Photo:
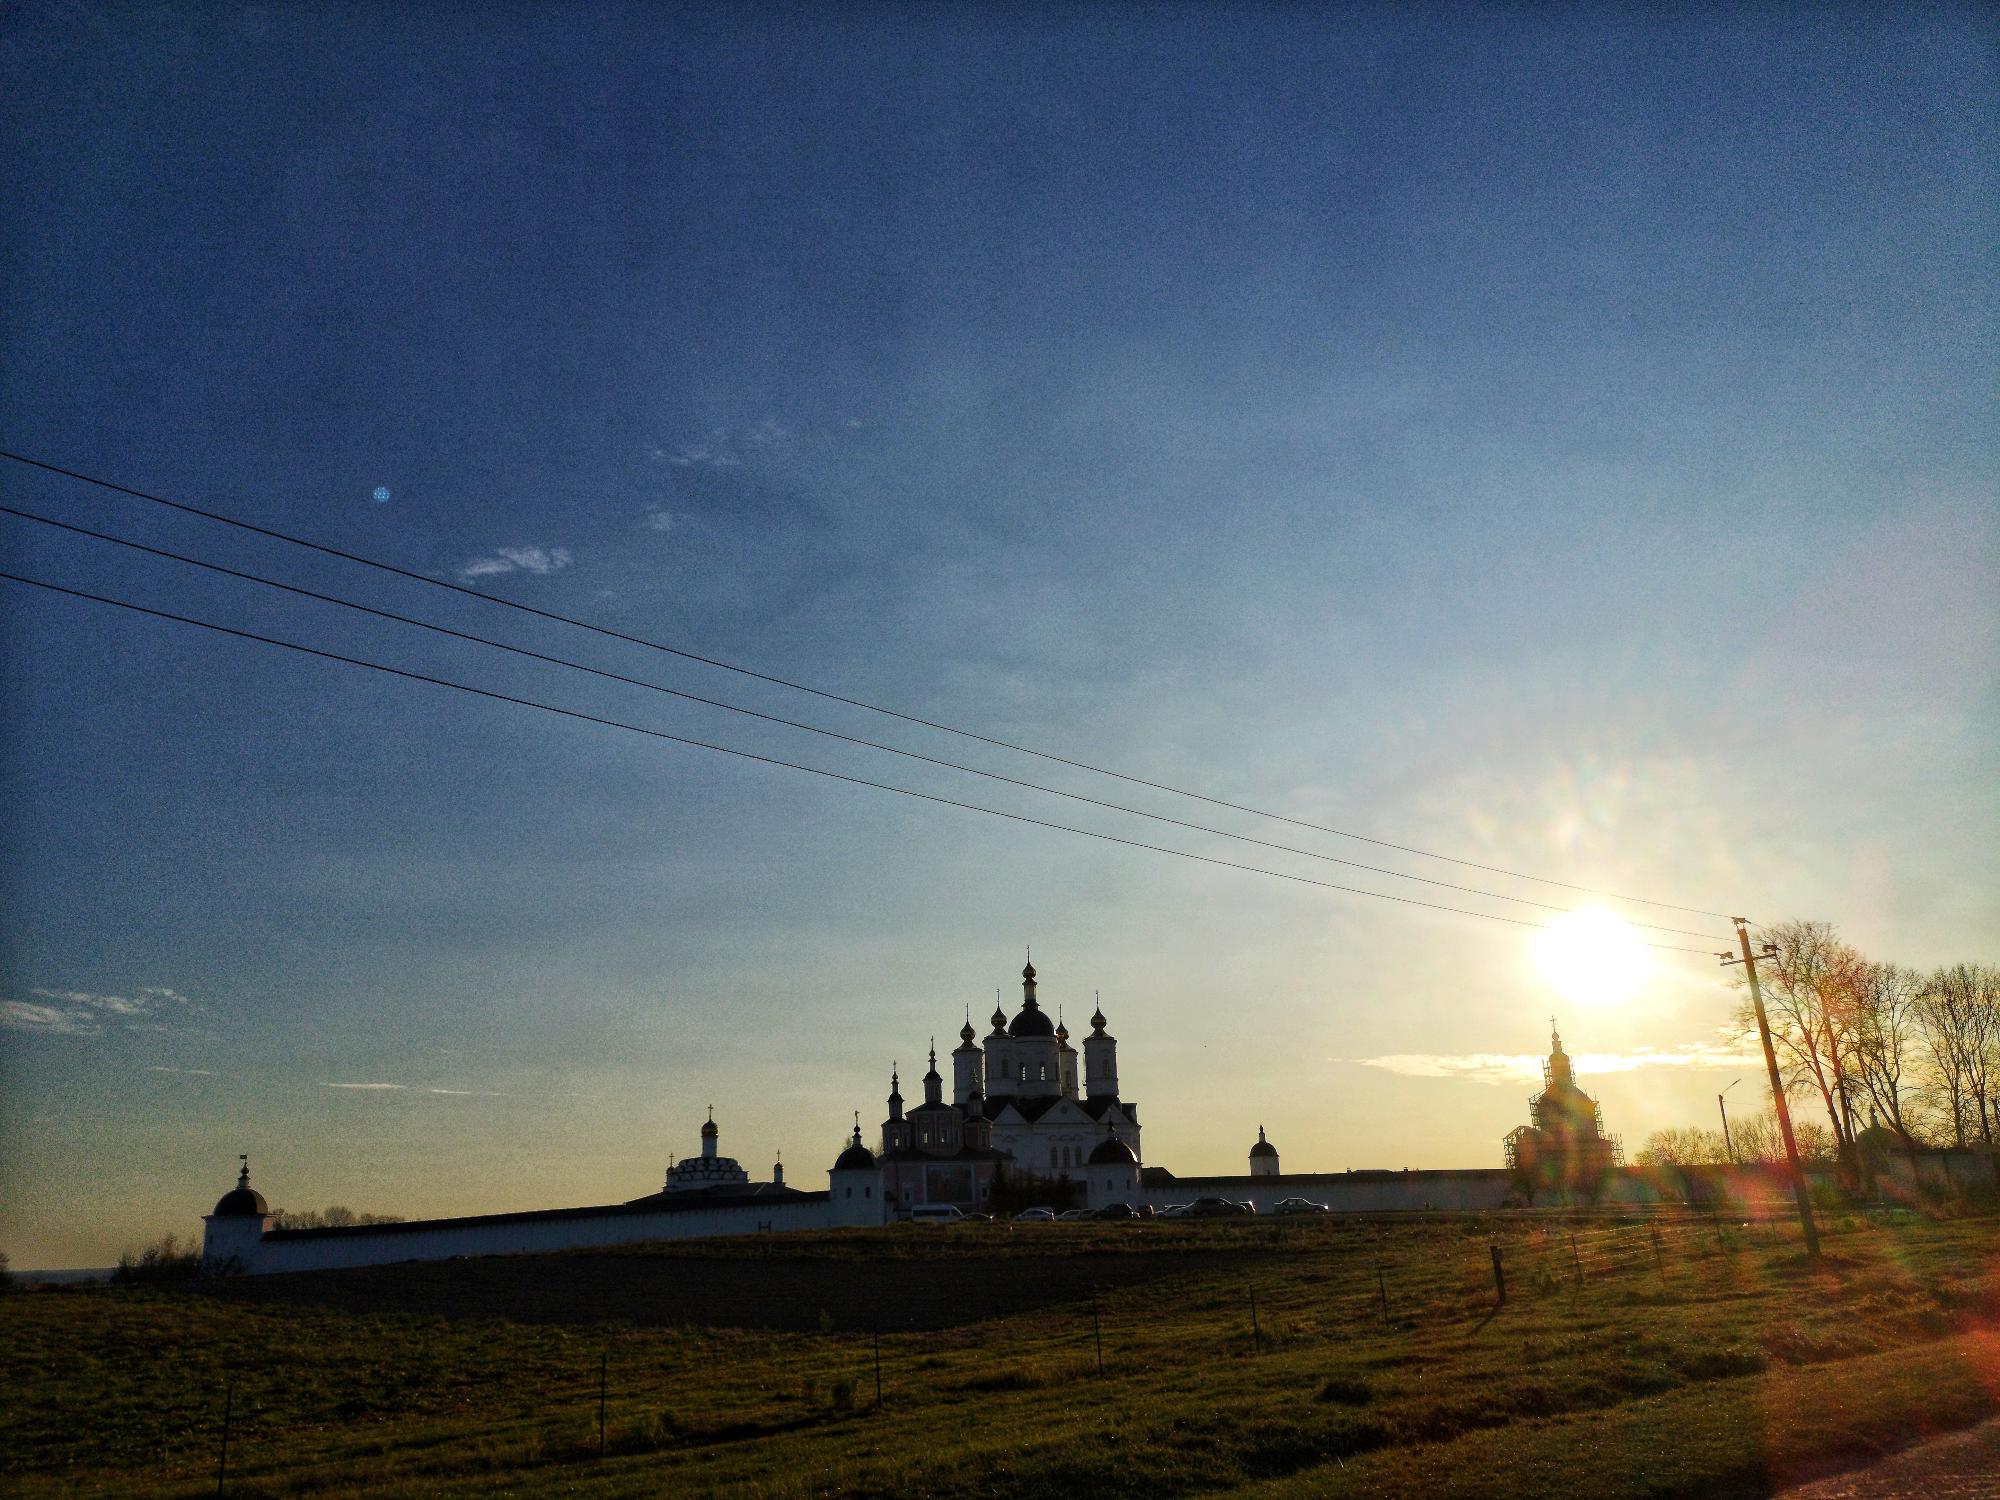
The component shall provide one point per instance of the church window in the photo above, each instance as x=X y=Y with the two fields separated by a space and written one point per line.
x=1053 y=1163
x=850 y=1192
x=866 y=1192
x=1003 y=1067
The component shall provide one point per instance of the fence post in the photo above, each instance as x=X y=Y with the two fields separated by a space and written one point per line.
x=1575 y=1259
x=603 y=1377
x=1256 y=1338
x=1499 y=1279
x=1097 y=1332
x=222 y=1464
x=878 y=1369
x=1659 y=1252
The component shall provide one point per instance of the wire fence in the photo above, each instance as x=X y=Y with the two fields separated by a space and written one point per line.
x=620 y=1399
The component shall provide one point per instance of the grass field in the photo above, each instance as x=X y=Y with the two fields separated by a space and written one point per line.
x=1713 y=1360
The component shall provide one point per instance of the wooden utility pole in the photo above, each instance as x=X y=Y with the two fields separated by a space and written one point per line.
x=1749 y=962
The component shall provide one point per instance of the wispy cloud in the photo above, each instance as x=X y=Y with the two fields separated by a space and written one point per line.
x=769 y=433
x=1502 y=1067
x=84 y=1012
x=659 y=519
x=116 y=1005
x=22 y=1016
x=406 y=1088
x=184 y=1072
x=536 y=560
x=710 y=455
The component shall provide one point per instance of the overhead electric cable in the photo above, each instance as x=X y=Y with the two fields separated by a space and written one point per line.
x=752 y=713
x=771 y=760
x=908 y=718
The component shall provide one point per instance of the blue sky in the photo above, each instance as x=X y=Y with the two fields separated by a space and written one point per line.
x=1561 y=439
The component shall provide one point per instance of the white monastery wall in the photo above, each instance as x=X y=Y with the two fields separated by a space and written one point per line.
x=503 y=1234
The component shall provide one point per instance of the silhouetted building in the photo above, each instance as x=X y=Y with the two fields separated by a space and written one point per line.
x=1563 y=1148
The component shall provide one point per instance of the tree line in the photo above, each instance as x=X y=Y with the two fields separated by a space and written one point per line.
x=1915 y=1051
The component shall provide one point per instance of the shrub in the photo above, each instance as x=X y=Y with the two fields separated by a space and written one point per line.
x=166 y=1259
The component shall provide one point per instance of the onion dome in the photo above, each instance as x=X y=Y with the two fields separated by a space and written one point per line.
x=242 y=1200
x=1263 y=1147
x=933 y=1074
x=999 y=1021
x=1097 y=1021
x=1112 y=1152
x=857 y=1157
x=965 y=1032
x=1062 y=1031
x=708 y=1130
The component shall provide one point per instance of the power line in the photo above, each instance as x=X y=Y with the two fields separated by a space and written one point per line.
x=770 y=760
x=833 y=697
x=752 y=713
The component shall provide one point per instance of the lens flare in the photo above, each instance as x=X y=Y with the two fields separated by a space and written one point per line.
x=1593 y=957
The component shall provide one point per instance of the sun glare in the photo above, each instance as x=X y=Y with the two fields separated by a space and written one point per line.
x=1591 y=957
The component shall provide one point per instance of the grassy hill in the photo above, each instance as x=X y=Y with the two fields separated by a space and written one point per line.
x=1664 y=1357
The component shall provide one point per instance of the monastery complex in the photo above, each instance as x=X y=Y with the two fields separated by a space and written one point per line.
x=1023 y=1121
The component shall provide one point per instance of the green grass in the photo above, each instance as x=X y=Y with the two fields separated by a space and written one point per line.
x=1743 y=1365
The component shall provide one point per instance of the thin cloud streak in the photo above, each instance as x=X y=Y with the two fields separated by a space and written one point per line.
x=536 y=560
x=23 y=1016
x=1501 y=1067
x=363 y=1086
x=184 y=1072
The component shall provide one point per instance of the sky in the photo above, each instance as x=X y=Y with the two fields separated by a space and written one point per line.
x=1561 y=438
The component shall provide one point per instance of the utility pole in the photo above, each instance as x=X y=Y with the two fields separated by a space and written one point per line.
x=1749 y=962
x=1728 y=1145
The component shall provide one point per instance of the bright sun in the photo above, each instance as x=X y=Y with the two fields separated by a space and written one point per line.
x=1592 y=957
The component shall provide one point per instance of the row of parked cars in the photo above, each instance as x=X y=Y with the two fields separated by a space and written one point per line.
x=1201 y=1208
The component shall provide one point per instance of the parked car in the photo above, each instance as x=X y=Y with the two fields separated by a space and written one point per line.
x=936 y=1213
x=1216 y=1208
x=1299 y=1206
x=1173 y=1211
x=1116 y=1211
x=1034 y=1216
x=1070 y=1214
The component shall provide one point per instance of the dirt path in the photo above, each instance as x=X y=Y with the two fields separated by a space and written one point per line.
x=1958 y=1466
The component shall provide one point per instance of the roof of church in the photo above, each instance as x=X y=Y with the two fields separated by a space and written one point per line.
x=243 y=1200
x=1111 y=1150
x=1263 y=1147
x=856 y=1158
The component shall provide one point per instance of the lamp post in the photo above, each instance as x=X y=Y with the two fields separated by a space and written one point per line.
x=1728 y=1145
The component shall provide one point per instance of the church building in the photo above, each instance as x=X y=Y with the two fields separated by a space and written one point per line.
x=1563 y=1148
x=1018 y=1106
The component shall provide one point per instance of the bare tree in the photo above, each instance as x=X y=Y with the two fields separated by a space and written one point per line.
x=1886 y=1033
x=1957 y=1014
x=1809 y=992
x=1688 y=1146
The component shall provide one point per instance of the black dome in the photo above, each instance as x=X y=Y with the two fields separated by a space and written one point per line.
x=1263 y=1148
x=1031 y=1022
x=856 y=1158
x=1111 y=1151
x=240 y=1202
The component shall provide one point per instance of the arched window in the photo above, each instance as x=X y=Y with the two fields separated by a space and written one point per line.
x=850 y=1192
x=867 y=1192
x=1053 y=1163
